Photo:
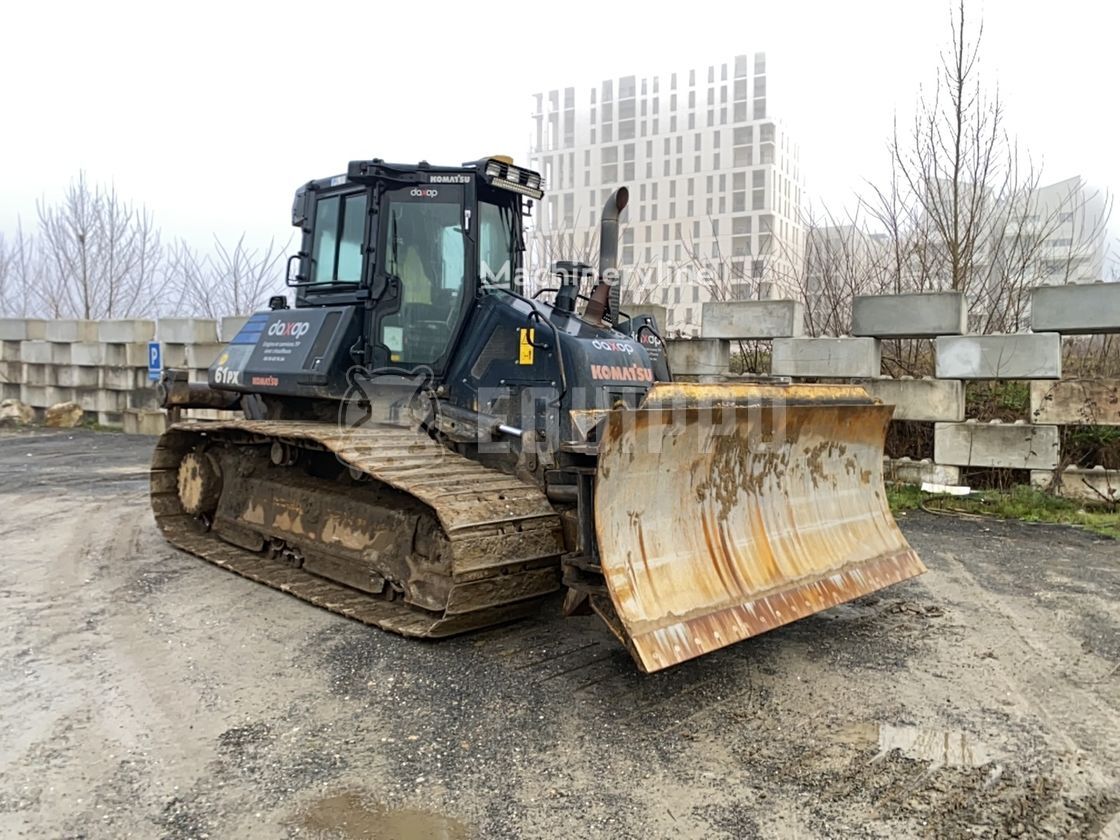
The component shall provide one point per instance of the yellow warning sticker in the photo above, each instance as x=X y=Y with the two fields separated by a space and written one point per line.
x=525 y=356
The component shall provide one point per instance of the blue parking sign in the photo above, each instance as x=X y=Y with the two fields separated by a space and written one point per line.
x=155 y=361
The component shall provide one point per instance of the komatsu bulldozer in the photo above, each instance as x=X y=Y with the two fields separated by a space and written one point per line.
x=427 y=447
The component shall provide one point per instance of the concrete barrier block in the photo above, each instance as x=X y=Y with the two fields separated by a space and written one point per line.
x=55 y=395
x=175 y=355
x=186 y=330
x=1008 y=445
x=44 y=375
x=110 y=419
x=88 y=353
x=1018 y=356
x=97 y=399
x=75 y=376
x=87 y=398
x=11 y=372
x=69 y=330
x=1093 y=486
x=200 y=356
x=749 y=320
x=9 y=351
x=906 y=471
x=921 y=399
x=924 y=315
x=36 y=352
x=1076 y=402
x=9 y=390
x=139 y=421
x=60 y=352
x=231 y=325
x=1079 y=309
x=122 y=378
x=698 y=356
x=124 y=355
x=22 y=329
x=144 y=398
x=836 y=358
x=126 y=331
x=35 y=395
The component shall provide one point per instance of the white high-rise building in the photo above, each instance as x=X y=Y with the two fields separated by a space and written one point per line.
x=714 y=182
x=1072 y=220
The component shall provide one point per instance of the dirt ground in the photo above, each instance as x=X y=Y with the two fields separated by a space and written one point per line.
x=146 y=693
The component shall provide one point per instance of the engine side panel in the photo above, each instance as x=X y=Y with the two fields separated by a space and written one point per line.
x=293 y=352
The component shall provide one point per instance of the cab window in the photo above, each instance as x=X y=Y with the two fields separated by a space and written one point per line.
x=336 y=253
x=497 y=244
x=423 y=248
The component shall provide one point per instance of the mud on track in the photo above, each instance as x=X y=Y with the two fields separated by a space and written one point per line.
x=149 y=694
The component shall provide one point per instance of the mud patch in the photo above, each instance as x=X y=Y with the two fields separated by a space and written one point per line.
x=1099 y=634
x=348 y=815
x=927 y=783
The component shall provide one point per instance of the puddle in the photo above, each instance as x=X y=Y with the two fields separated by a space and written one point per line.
x=942 y=748
x=349 y=816
x=939 y=747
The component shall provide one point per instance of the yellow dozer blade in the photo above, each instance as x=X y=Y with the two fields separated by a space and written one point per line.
x=723 y=511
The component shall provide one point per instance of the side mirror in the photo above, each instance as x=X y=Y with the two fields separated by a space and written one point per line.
x=299 y=279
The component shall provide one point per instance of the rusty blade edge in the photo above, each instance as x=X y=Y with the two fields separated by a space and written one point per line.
x=683 y=640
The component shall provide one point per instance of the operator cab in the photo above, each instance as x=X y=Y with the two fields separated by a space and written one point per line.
x=411 y=245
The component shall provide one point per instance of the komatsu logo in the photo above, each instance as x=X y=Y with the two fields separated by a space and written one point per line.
x=449 y=179
x=289 y=329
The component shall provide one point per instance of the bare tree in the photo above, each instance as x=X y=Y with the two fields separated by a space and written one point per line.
x=104 y=255
x=231 y=281
x=7 y=276
x=965 y=209
x=22 y=272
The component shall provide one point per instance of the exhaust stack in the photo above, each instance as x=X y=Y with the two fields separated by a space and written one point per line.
x=607 y=290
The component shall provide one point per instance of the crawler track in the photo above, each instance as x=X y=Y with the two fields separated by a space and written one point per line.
x=498 y=538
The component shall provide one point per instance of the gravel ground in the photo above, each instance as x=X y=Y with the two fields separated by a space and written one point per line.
x=149 y=694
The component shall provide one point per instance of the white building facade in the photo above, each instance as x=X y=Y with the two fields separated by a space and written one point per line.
x=714 y=181
x=1071 y=219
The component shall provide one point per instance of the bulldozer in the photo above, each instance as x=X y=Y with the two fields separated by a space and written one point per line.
x=428 y=445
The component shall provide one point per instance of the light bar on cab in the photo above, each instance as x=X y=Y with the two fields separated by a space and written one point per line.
x=506 y=176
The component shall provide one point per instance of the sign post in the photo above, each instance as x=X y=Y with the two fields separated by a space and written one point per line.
x=155 y=361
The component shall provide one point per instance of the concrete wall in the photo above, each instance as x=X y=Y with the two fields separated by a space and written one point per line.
x=1095 y=486
x=698 y=356
x=1020 y=356
x=906 y=471
x=910 y=316
x=1076 y=310
x=753 y=319
x=920 y=399
x=1076 y=402
x=101 y=366
x=826 y=358
x=1007 y=445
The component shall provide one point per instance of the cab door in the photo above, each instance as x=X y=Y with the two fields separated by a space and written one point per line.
x=332 y=255
x=422 y=258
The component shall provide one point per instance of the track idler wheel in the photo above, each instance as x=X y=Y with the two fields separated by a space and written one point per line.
x=200 y=483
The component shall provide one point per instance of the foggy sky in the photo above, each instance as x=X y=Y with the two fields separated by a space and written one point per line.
x=212 y=113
